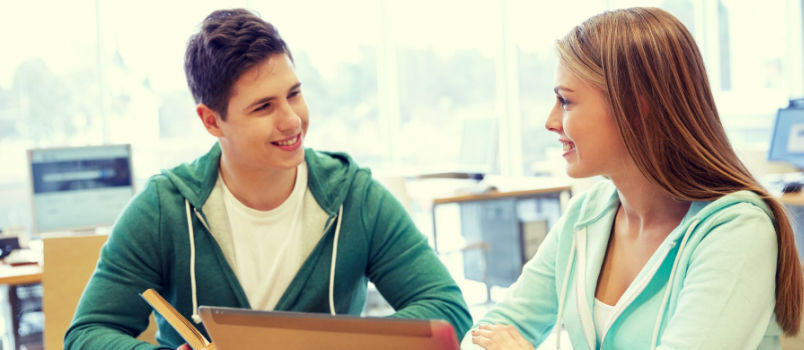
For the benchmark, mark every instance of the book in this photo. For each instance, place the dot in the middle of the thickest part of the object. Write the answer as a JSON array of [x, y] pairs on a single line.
[[191, 335]]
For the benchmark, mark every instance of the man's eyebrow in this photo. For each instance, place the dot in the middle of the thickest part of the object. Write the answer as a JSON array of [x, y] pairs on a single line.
[[259, 102], [270, 98]]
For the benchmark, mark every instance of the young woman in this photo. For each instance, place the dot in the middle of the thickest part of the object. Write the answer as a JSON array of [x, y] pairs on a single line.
[[680, 247]]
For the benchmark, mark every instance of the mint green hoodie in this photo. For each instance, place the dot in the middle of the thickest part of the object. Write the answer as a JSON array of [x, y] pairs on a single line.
[[709, 285], [150, 248]]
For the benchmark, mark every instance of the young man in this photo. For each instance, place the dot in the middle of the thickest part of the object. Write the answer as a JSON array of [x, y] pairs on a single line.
[[258, 222]]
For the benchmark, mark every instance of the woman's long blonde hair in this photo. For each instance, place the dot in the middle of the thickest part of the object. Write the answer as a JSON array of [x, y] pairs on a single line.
[[649, 67]]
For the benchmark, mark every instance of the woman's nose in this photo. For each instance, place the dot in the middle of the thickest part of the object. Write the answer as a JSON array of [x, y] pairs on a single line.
[[553, 122]]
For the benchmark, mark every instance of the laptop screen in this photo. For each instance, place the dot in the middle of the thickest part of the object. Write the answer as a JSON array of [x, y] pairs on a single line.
[[787, 143], [79, 188]]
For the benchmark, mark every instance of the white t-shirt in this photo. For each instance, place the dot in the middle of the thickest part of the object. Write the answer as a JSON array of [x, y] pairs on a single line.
[[267, 244], [603, 314]]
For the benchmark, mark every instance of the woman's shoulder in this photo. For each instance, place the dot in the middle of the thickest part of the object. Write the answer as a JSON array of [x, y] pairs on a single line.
[[740, 221], [734, 206]]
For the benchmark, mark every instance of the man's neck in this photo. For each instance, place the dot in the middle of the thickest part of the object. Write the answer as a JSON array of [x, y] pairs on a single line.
[[260, 189]]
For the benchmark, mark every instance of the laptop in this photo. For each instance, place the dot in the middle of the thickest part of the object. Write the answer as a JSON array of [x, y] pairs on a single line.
[[235, 329]]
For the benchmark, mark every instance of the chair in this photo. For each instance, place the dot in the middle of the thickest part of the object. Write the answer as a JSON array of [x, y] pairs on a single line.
[[68, 263]]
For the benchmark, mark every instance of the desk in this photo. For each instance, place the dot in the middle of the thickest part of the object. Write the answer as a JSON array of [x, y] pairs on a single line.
[[491, 195], [24, 297], [23, 274], [503, 228], [792, 199], [70, 263], [794, 203]]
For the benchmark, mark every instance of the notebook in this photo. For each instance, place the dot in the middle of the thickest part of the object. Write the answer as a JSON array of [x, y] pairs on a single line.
[[235, 329], [186, 330]]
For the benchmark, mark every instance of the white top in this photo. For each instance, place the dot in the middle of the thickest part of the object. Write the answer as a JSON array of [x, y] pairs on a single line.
[[603, 313], [268, 244]]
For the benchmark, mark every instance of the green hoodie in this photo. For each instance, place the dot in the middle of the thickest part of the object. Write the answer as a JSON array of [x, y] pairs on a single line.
[[150, 248]]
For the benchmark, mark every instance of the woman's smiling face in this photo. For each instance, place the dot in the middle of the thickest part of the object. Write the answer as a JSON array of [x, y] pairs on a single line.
[[585, 125]]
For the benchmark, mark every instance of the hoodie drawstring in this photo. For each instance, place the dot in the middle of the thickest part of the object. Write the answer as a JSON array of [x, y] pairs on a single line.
[[562, 296], [332, 264], [196, 318], [663, 305]]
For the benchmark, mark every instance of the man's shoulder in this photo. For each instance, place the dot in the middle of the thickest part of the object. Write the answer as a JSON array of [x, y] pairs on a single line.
[[327, 159], [331, 166], [158, 188], [335, 176]]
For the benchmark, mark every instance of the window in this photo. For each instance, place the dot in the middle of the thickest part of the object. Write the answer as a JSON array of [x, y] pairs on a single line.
[[534, 28], [760, 66], [414, 86], [49, 87], [753, 56], [335, 50], [444, 68]]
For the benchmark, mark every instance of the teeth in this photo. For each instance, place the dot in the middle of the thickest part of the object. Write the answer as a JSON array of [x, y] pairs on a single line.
[[567, 146], [288, 142]]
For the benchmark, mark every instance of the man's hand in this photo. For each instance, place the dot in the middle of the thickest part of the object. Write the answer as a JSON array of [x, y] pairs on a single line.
[[493, 337], [184, 346]]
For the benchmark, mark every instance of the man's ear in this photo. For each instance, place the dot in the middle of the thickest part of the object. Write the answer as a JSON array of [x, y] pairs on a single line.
[[210, 119]]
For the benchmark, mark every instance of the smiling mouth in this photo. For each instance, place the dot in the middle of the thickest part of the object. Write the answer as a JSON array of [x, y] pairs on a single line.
[[288, 142], [567, 146]]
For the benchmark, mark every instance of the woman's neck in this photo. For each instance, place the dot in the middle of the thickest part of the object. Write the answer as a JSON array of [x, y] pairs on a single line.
[[645, 206]]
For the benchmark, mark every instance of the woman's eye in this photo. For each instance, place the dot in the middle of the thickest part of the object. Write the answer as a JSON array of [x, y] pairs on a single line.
[[564, 102]]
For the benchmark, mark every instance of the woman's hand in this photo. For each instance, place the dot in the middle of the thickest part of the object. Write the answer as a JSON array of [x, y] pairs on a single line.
[[184, 346], [493, 337]]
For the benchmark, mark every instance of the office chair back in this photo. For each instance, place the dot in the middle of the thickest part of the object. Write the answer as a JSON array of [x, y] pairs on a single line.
[[68, 263]]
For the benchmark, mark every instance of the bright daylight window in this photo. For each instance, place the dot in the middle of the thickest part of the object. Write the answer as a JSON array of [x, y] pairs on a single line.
[[407, 86], [445, 82], [753, 55]]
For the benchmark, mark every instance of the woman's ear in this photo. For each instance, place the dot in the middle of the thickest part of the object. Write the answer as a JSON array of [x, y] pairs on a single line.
[[644, 105], [210, 119]]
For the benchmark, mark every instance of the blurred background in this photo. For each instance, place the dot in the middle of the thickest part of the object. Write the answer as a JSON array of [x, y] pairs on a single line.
[[405, 87]]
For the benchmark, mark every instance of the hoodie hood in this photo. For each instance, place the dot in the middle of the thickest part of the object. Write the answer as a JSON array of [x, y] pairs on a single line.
[[332, 171], [600, 201], [329, 178]]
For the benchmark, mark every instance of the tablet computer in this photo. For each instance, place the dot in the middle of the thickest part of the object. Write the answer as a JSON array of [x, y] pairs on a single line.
[[235, 329]]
